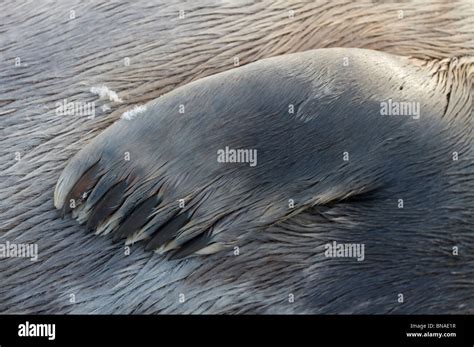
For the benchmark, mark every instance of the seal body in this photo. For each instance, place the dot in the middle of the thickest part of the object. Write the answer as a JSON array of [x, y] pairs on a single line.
[[351, 147], [292, 266]]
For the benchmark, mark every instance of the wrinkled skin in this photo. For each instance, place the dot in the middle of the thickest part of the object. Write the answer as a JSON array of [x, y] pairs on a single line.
[[408, 250]]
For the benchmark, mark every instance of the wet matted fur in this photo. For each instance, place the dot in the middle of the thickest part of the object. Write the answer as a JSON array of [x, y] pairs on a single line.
[[61, 58]]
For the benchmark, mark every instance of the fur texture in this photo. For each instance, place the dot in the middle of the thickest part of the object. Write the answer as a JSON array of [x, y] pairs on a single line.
[[409, 250]]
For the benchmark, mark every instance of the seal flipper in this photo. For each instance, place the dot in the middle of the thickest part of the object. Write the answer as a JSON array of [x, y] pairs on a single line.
[[137, 218], [169, 230], [108, 204], [335, 114], [81, 188]]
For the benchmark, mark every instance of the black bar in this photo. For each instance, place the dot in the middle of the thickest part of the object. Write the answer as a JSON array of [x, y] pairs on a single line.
[[193, 329]]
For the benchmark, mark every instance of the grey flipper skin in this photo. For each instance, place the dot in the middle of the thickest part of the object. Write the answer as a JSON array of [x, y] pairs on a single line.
[[327, 138]]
